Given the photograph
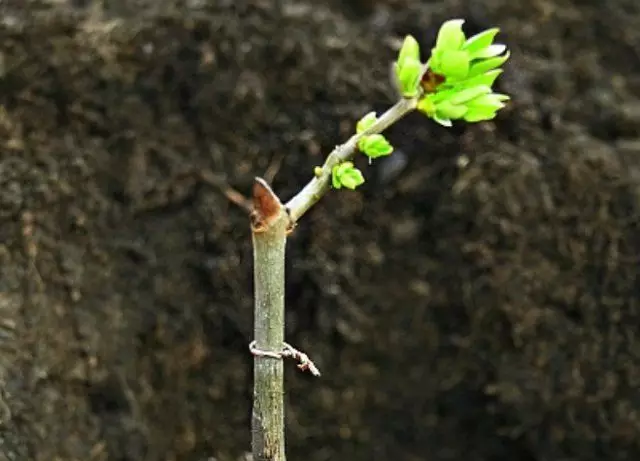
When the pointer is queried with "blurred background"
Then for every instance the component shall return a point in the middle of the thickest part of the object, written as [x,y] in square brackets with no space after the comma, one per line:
[475,300]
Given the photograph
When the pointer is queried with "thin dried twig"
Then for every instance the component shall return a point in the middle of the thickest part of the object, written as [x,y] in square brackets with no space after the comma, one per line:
[288,352]
[229,192]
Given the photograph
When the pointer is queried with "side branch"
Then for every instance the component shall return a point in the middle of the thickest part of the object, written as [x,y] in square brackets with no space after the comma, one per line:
[318,186]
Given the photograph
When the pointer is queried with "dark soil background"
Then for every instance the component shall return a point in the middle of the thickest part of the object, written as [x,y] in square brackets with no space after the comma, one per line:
[476,300]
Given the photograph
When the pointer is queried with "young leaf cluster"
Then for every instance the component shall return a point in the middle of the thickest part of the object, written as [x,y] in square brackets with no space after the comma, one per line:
[455,83]
[372,145]
[408,68]
[465,70]
[346,175]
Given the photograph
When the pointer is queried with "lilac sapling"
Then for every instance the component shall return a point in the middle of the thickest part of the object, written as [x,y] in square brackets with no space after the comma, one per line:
[454,84]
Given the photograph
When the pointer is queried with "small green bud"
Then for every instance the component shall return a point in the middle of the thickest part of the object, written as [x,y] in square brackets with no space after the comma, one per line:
[365,122]
[408,68]
[346,175]
[375,145]
[410,50]
[408,76]
[317,171]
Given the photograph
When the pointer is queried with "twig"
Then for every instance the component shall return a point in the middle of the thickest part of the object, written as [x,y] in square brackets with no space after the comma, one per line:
[288,352]
[274,167]
[229,192]
[306,364]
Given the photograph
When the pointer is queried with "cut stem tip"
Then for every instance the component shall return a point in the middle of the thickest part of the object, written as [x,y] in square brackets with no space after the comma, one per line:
[267,207]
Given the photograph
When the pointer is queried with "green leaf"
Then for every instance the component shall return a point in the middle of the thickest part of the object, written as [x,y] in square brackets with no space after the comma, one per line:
[450,35]
[440,112]
[486,79]
[479,115]
[448,110]
[454,64]
[489,52]
[346,175]
[365,122]
[410,50]
[480,41]
[468,94]
[409,75]
[433,62]
[443,95]
[485,65]
[375,145]
[485,107]
[443,121]
[492,101]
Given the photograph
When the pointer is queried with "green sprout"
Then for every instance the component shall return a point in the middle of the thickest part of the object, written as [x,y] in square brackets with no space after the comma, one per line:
[366,122]
[464,71]
[346,175]
[375,145]
[372,145]
[408,68]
